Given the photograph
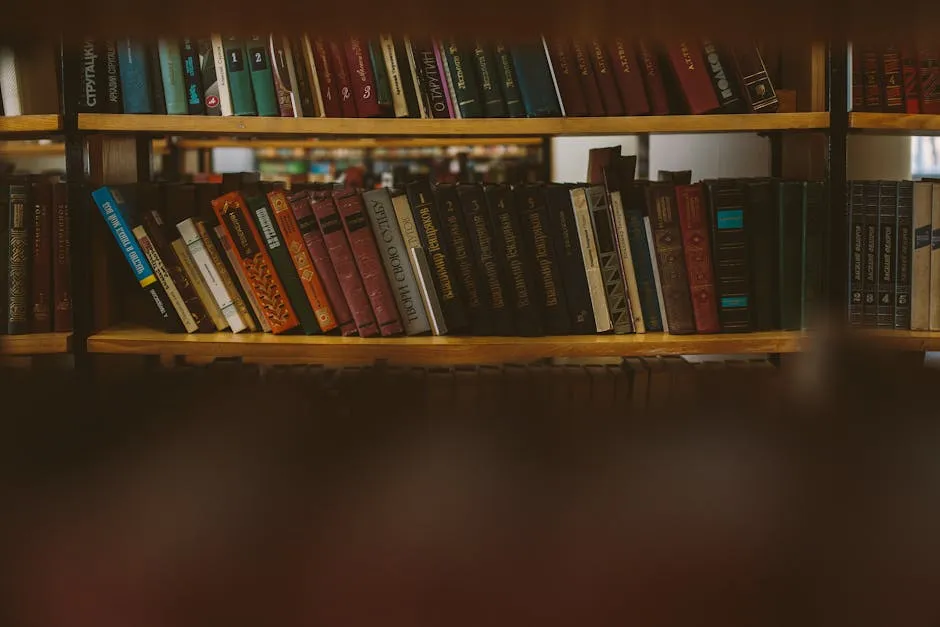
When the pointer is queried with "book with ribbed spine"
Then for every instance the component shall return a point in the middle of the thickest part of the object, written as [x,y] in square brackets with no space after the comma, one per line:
[361,77]
[163,275]
[670,258]
[618,305]
[240,276]
[508,83]
[239,77]
[730,226]
[40,264]
[262,76]
[192,77]
[135,77]
[210,274]
[18,252]
[171,72]
[870,222]
[920,259]
[693,220]
[284,76]
[592,269]
[61,262]
[570,260]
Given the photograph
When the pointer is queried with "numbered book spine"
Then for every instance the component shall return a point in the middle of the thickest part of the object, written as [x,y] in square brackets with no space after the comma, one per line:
[432,83]
[135,77]
[790,257]
[171,71]
[887,223]
[506,72]
[622,239]
[569,258]
[670,258]
[693,220]
[62,264]
[163,275]
[239,273]
[40,267]
[362,78]
[262,78]
[222,92]
[210,274]
[398,268]
[329,89]
[920,263]
[856,219]
[904,257]
[18,262]
[396,82]
[426,287]
[621,317]
[192,77]
[283,74]
[892,83]
[239,78]
[626,71]
[644,265]
[592,269]
[344,87]
[566,77]
[870,222]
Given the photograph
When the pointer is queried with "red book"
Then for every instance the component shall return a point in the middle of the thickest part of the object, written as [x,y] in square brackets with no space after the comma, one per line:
[566,75]
[41,269]
[347,103]
[653,79]
[328,90]
[61,262]
[692,74]
[605,79]
[892,80]
[626,72]
[371,269]
[929,81]
[858,81]
[592,94]
[909,70]
[871,80]
[331,226]
[698,258]
[361,78]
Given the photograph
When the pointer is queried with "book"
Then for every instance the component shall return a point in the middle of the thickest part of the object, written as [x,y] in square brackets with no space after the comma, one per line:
[396,77]
[487,77]
[567,77]
[411,78]
[921,255]
[113,99]
[618,305]
[433,90]
[284,76]
[606,83]
[239,77]
[670,258]
[929,61]
[236,268]
[222,89]
[163,276]
[326,80]
[592,270]
[447,81]
[585,72]
[657,281]
[194,276]
[508,84]
[693,220]
[461,64]
[570,261]
[911,78]
[174,81]
[729,218]
[192,77]
[755,82]
[692,74]
[155,73]
[871,246]
[535,80]
[760,213]
[135,77]
[886,253]
[872,78]
[653,79]
[362,78]
[856,222]
[428,294]
[40,262]
[904,243]
[790,253]
[815,235]
[210,79]
[644,265]
[626,71]
[617,175]
[18,254]
[61,263]
[342,79]
[261,75]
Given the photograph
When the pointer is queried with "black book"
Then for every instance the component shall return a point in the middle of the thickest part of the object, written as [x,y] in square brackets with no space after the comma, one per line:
[156,80]
[855,216]
[407,78]
[192,77]
[570,261]
[488,78]
[421,199]
[608,257]
[461,256]
[870,253]
[491,267]
[815,261]
[509,244]
[85,66]
[790,249]
[110,80]
[760,212]
[904,246]
[548,279]
[305,102]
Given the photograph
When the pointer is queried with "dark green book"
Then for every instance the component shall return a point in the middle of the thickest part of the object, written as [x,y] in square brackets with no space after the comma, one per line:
[506,74]
[262,79]
[464,80]
[760,210]
[488,80]
[383,90]
[814,251]
[239,78]
[790,254]
[535,80]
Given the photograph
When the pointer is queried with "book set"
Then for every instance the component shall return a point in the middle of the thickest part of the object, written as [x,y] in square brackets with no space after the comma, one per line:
[418,77]
[895,79]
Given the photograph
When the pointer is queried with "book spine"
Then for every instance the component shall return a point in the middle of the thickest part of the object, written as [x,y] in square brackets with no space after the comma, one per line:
[210,80]
[643,265]
[858,80]
[157,93]
[171,71]
[314,103]
[585,70]
[412,78]
[692,74]
[262,78]
[614,286]
[909,72]
[331,226]
[111,79]
[18,262]
[729,227]
[892,82]
[396,82]
[365,252]
[41,262]
[653,79]
[223,84]
[329,89]
[887,223]
[160,270]
[362,78]
[535,80]
[241,308]
[760,216]
[188,265]
[485,67]
[87,69]
[533,217]
[920,264]
[239,272]
[379,208]
[459,252]
[569,258]
[304,105]
[554,76]
[870,221]
[239,78]
[872,75]
[626,71]
[506,72]
[606,82]
[383,87]
[904,256]
[935,257]
[619,225]
[135,80]
[447,81]
[344,89]
[929,80]
[657,280]
[419,262]
[814,251]
[698,258]
[210,274]
[592,269]
[856,271]
[466,91]
[192,79]
[431,81]
[790,248]
[62,264]
[282,73]
[667,242]
[754,80]
[723,80]
[567,78]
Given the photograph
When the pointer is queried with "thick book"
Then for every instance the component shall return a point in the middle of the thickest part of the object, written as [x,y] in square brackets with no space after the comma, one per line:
[211,274]
[910,74]
[223,89]
[904,242]
[790,253]
[667,243]
[157,93]
[920,257]
[626,71]
[871,79]
[135,77]
[723,78]
[484,63]
[653,79]
[892,80]
[61,260]
[18,255]
[692,74]
[569,259]
[728,216]
[427,221]
[535,79]
[644,266]
[419,262]
[509,245]
[160,270]
[567,77]
[815,263]
[284,76]
[606,82]
[856,224]
[887,254]
[210,77]
[326,79]
[239,77]
[871,233]
[362,78]
[40,263]
[592,270]
[342,79]
[396,76]
[694,222]
[171,72]
[508,83]
[755,82]
[585,72]
[192,77]
[618,305]
[261,75]
[235,217]
[760,215]
[460,61]
[368,260]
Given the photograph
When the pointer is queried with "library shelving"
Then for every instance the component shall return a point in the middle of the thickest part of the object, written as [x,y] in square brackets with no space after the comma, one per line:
[35,344]
[914,123]
[30,125]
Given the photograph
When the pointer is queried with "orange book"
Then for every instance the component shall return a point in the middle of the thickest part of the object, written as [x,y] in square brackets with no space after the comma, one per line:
[259,270]
[294,241]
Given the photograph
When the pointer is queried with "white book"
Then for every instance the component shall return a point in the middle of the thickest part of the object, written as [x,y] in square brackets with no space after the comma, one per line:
[592,268]
[399,103]
[163,275]
[221,76]
[422,108]
[626,260]
[311,65]
[10,83]
[197,249]
[659,285]
[920,256]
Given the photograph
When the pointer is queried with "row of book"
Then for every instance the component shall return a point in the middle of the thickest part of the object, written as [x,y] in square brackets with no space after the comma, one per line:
[621,256]
[417,77]
[35,287]
[896,79]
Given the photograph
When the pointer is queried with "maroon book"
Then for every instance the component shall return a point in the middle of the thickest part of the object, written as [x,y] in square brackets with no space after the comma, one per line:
[692,75]
[909,70]
[698,259]
[362,78]
[653,79]
[347,103]
[626,72]
[858,81]
[310,230]
[326,80]
[371,268]
[566,75]
[41,262]
[871,77]
[892,82]
[331,226]
[605,79]
[61,263]
[592,95]
[929,73]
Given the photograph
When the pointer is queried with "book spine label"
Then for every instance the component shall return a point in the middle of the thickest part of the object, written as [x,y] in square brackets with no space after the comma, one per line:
[909,72]
[188,264]
[653,79]
[929,80]
[622,239]
[282,73]
[383,87]
[626,71]
[723,80]
[344,89]
[210,79]
[485,66]
[605,79]
[698,259]
[223,90]
[329,89]
[920,264]
[135,79]
[892,82]
[173,294]
[729,226]
[171,71]
[366,253]
[395,79]
[62,264]
[466,91]
[400,272]
[362,78]
[426,287]
[533,217]
[617,304]
[585,70]
[262,77]
[232,256]
[755,81]
[239,78]
[566,77]
[904,256]
[856,219]
[210,274]
[41,262]
[506,72]
[18,263]
[870,221]
[459,250]
[872,75]
[592,270]
[667,242]
[227,282]
[642,262]
[192,79]
[692,74]
[110,80]
[331,226]
[568,254]
[887,235]
[89,72]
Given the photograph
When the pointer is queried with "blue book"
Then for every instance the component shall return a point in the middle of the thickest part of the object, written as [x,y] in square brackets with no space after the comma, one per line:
[174,82]
[135,78]
[535,80]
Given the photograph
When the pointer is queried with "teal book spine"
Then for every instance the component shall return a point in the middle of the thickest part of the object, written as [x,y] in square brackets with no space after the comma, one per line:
[239,78]
[535,80]
[464,80]
[262,78]
[171,69]
[383,89]
[135,79]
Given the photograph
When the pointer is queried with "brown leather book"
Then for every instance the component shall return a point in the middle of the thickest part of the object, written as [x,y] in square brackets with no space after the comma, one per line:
[693,219]
[605,79]
[691,72]
[756,84]
[61,261]
[327,81]
[871,77]
[626,71]
[653,79]
[892,81]
[362,78]
[40,196]
[670,259]
[566,77]
[340,70]
[592,94]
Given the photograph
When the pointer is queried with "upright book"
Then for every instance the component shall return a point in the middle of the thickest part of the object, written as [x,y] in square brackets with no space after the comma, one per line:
[693,220]
[667,243]
[729,243]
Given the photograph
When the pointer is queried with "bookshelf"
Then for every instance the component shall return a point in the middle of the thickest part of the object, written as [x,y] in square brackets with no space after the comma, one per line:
[36,344]
[29,125]
[895,122]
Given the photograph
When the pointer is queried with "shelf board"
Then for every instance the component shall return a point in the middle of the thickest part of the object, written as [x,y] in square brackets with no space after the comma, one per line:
[354,144]
[434,350]
[30,124]
[913,123]
[212,125]
[35,344]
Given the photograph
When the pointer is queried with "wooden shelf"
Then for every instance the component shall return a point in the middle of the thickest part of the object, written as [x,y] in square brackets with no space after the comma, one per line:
[53,149]
[895,122]
[210,125]
[35,344]
[434,350]
[29,124]
[355,144]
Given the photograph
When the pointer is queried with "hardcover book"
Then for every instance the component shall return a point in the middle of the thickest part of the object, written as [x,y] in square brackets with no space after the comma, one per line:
[311,93]
[815,263]
[329,88]
[910,74]
[485,65]
[383,88]
[535,79]
[236,268]
[605,79]
[626,71]
[40,196]
[653,79]
[163,275]
[644,264]
[194,276]
[174,82]
[18,251]
[617,178]
[755,81]
[856,195]
[887,255]
[585,70]
[210,79]
[192,77]
[724,79]
[284,76]
[362,78]
[341,76]
[262,77]
[567,77]
[428,294]
[135,77]
[432,84]
[871,233]
[62,265]
[618,305]
[157,93]
[790,254]
[693,220]
[688,64]
[466,91]
[729,234]
[396,76]
[239,77]
[210,273]
[223,85]
[507,81]
[592,270]
[920,263]
[761,216]
[568,253]
[670,258]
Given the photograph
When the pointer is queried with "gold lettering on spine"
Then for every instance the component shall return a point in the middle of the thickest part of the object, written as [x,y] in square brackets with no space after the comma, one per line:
[460,254]
[687,56]
[599,57]
[484,71]
[486,257]
[541,255]
[435,252]
[515,263]
[623,57]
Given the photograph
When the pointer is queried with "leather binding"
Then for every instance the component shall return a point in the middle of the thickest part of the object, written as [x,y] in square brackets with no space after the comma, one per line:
[902,261]
[171,72]
[653,79]
[872,246]
[606,82]
[431,79]
[887,255]
[262,76]
[18,297]
[210,79]
[929,80]
[615,288]
[790,253]
[493,271]
[815,262]
[157,93]
[487,76]
[284,77]
[61,261]
[535,79]
[567,77]
[760,213]
[617,178]
[396,76]
[135,80]
[693,219]
[643,261]
[40,215]
[724,78]
[510,246]
[909,72]
[383,89]
[892,82]
[362,78]
[341,255]
[327,81]
[234,217]
[508,81]
[626,71]
[548,280]
[920,259]
[692,75]
[730,226]
[238,271]
[667,243]
[872,76]
[463,79]
[856,219]
[426,218]
[755,82]
[858,80]
[192,77]
[366,254]
[160,271]
[570,262]
[411,82]
[300,204]
[239,77]
[296,248]
[585,70]
[341,76]
[304,102]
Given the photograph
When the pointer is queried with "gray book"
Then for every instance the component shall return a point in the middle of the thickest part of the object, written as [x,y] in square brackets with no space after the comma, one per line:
[394,253]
